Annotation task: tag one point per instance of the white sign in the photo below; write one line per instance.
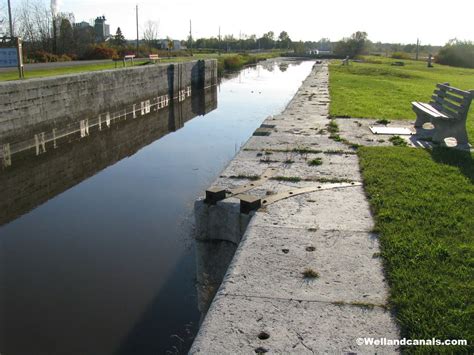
(8, 57)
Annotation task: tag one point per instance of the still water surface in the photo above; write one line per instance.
(108, 265)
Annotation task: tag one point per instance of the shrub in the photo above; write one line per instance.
(234, 62)
(41, 56)
(64, 58)
(72, 56)
(457, 54)
(100, 51)
(400, 55)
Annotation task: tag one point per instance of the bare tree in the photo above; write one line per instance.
(4, 20)
(34, 24)
(150, 33)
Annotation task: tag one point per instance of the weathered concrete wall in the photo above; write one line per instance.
(32, 180)
(39, 105)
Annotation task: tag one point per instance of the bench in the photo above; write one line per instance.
(128, 57)
(153, 57)
(447, 111)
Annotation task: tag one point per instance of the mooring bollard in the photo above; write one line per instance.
(215, 194)
(249, 203)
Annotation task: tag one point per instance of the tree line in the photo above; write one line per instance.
(54, 37)
(267, 41)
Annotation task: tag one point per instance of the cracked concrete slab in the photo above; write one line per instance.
(292, 141)
(347, 263)
(294, 164)
(338, 209)
(357, 130)
(234, 323)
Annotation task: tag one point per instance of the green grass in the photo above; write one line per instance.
(38, 73)
(423, 203)
(315, 162)
(398, 141)
(332, 127)
(382, 91)
(287, 178)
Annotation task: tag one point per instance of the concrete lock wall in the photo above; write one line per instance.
(31, 180)
(30, 107)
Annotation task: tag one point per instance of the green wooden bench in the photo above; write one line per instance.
(447, 111)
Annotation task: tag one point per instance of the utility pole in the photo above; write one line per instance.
(240, 40)
(55, 35)
(10, 19)
(137, 28)
(191, 37)
(417, 48)
(219, 50)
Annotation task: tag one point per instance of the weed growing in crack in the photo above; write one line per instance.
(315, 162)
(309, 273)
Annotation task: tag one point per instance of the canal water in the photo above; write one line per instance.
(96, 248)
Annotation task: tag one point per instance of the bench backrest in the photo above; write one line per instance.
(451, 101)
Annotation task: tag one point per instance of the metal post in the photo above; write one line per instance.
(417, 48)
(137, 27)
(55, 34)
(10, 19)
(190, 37)
(19, 52)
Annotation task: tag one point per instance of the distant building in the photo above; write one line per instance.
(82, 24)
(176, 45)
(102, 30)
(318, 52)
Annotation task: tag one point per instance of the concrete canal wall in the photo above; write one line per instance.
(39, 106)
(31, 180)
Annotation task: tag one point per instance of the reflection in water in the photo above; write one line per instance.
(283, 67)
(212, 260)
(32, 180)
(96, 257)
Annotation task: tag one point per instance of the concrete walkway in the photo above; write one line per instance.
(265, 304)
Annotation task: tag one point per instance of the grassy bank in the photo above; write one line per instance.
(423, 203)
(226, 62)
(236, 62)
(39, 73)
(376, 89)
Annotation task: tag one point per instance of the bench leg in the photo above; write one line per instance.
(450, 128)
(421, 119)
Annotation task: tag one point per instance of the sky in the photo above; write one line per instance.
(396, 21)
